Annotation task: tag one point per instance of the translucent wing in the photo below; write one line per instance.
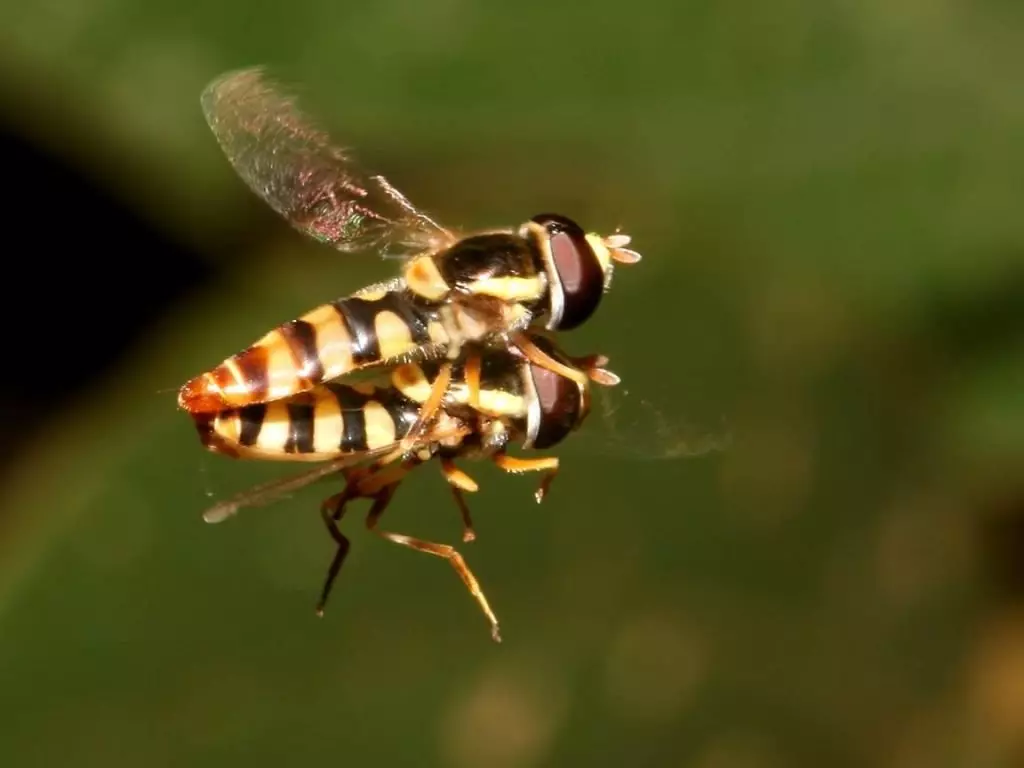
(629, 424)
(277, 489)
(312, 183)
(659, 418)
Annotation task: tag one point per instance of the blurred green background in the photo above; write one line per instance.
(827, 196)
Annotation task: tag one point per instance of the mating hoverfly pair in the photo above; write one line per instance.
(461, 340)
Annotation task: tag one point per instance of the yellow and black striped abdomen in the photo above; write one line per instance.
(328, 422)
(380, 325)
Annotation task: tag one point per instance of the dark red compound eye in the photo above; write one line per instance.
(575, 275)
(560, 404)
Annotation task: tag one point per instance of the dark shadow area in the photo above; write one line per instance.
(87, 278)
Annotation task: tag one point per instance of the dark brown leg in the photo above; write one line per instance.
(468, 534)
(547, 464)
(440, 550)
(331, 510)
(367, 482)
(375, 481)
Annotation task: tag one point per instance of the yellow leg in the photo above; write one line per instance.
(472, 376)
(459, 482)
(583, 368)
(429, 408)
(538, 356)
(548, 465)
(457, 478)
(594, 367)
(440, 550)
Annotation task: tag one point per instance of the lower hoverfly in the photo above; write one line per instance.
(358, 431)
(453, 290)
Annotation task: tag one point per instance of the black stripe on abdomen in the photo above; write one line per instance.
(250, 422)
(401, 409)
(253, 369)
(353, 420)
(301, 427)
(414, 320)
(301, 338)
(358, 317)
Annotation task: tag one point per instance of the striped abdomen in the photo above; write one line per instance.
(327, 422)
(380, 325)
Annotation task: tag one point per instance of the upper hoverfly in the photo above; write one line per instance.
(482, 289)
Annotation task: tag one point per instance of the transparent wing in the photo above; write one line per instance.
(302, 175)
(630, 424)
(657, 418)
(281, 487)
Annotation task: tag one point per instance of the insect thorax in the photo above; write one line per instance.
(498, 265)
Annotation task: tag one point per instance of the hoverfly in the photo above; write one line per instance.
(453, 290)
(358, 430)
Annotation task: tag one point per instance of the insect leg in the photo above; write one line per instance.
(429, 408)
(376, 481)
(331, 511)
(367, 482)
(538, 356)
(457, 478)
(459, 482)
(547, 464)
(468, 534)
(441, 550)
(471, 373)
(594, 367)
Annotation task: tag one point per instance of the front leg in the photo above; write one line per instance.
(583, 368)
(429, 409)
(547, 464)
(459, 482)
(595, 370)
(540, 358)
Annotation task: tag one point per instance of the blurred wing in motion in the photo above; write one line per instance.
(659, 419)
(313, 184)
(633, 425)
